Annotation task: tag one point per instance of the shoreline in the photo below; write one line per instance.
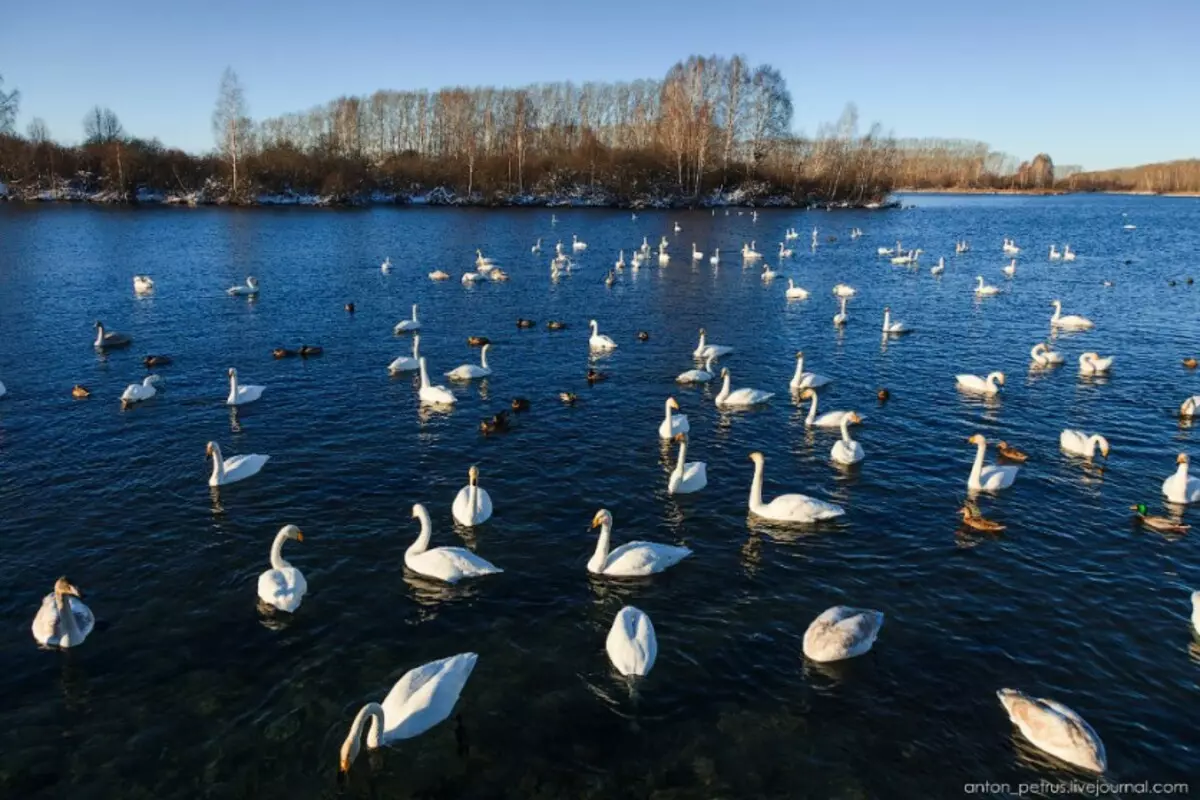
(1047, 192)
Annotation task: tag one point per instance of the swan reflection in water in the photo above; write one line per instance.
(430, 594)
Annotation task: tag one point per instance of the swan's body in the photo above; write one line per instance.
(1081, 444)
(233, 469)
(446, 564)
(1054, 254)
(845, 450)
(422, 698)
(787, 507)
(1181, 487)
(1068, 253)
(109, 339)
(433, 395)
(408, 363)
(1055, 729)
(632, 646)
(469, 278)
(1043, 356)
(740, 398)
(576, 244)
(599, 341)
(705, 350)
(989, 478)
(795, 292)
(688, 476)
(472, 504)
(1093, 364)
(250, 287)
(439, 275)
(63, 620)
(137, 392)
(696, 254)
(844, 290)
(143, 284)
(768, 274)
(894, 328)
(1070, 322)
(282, 586)
(830, 419)
(984, 289)
(673, 424)
(715, 258)
(1011, 269)
(408, 325)
(240, 395)
(977, 385)
(386, 266)
(698, 375)
(467, 372)
(1189, 408)
(938, 268)
(842, 632)
(631, 559)
(802, 380)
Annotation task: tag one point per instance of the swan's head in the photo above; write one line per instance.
(232, 372)
(209, 449)
(999, 377)
(887, 309)
(1181, 458)
(799, 355)
(701, 330)
(855, 418)
(602, 518)
(63, 586)
(100, 325)
(251, 281)
(1056, 303)
(292, 532)
(672, 403)
(757, 457)
(1103, 443)
(418, 511)
(473, 473)
(807, 393)
(724, 372)
(977, 439)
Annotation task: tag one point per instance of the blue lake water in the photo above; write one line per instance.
(184, 692)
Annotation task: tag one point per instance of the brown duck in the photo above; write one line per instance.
(155, 361)
(976, 521)
(1011, 453)
(478, 341)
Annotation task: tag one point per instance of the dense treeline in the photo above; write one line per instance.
(1169, 177)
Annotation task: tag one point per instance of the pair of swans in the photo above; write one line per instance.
(706, 350)
(796, 508)
(109, 339)
(984, 289)
(795, 292)
(233, 469)
(893, 328)
(466, 372)
(802, 380)
(739, 398)
(143, 284)
(989, 478)
(1181, 487)
(472, 505)
(408, 325)
(632, 644)
(1043, 356)
(446, 564)
(407, 363)
(250, 287)
(632, 559)
(1054, 728)
(599, 341)
(1010, 247)
(1068, 322)
(842, 632)
(830, 419)
(140, 392)
(749, 253)
(1078, 443)
(282, 586)
(241, 394)
(973, 384)
(688, 476)
(698, 375)
(673, 424)
(1092, 364)
(430, 394)
(63, 619)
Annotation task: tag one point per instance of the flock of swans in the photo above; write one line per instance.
(427, 694)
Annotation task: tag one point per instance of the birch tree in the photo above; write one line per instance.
(231, 124)
(8, 108)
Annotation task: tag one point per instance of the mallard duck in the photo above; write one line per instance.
(595, 377)
(520, 404)
(1164, 524)
(555, 325)
(478, 341)
(79, 390)
(976, 521)
(643, 336)
(283, 352)
(310, 350)
(883, 395)
(568, 397)
(525, 323)
(1190, 363)
(1011, 453)
(155, 361)
(349, 308)
(496, 424)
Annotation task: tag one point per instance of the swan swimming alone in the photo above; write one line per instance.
(233, 469)
(143, 284)
(688, 476)
(697, 375)
(282, 586)
(138, 392)
(106, 340)
(250, 287)
(893, 328)
(407, 363)
(739, 398)
(842, 632)
(63, 620)
(1055, 729)
(423, 697)
(1043, 356)
(672, 424)
(1011, 269)
(1070, 322)
(446, 564)
(1182, 488)
(787, 507)
(430, 394)
(705, 350)
(599, 341)
(1092, 364)
(795, 292)
(466, 372)
(983, 289)
(239, 394)
(1079, 443)
(974, 384)
(631, 559)
(845, 450)
(472, 504)
(990, 478)
(408, 325)
(631, 644)
(802, 380)
(830, 419)
(844, 290)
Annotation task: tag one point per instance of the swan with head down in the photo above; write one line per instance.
(1055, 729)
(1078, 443)
(842, 632)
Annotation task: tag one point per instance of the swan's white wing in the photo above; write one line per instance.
(842, 632)
(425, 696)
(643, 558)
(1056, 729)
(451, 564)
(282, 588)
(243, 466)
(830, 419)
(248, 394)
(46, 627)
(695, 475)
(994, 477)
(801, 508)
(632, 644)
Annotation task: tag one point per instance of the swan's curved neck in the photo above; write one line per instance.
(799, 368)
(1057, 309)
(424, 375)
(708, 364)
(701, 345)
(350, 747)
(422, 542)
(668, 407)
(724, 389)
(277, 561)
(414, 319)
(218, 463)
(846, 430)
(756, 487)
(992, 378)
(812, 410)
(483, 356)
(682, 457)
(416, 347)
(600, 557)
(1096, 440)
(66, 618)
(1181, 473)
(100, 334)
(977, 468)
(595, 328)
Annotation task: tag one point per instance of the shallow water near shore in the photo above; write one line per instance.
(185, 690)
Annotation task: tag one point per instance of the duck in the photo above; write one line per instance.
(599, 341)
(1010, 453)
(1190, 363)
(250, 287)
(63, 620)
(309, 351)
(704, 350)
(520, 404)
(688, 476)
(715, 258)
(568, 398)
(643, 336)
(739, 398)
(78, 391)
(842, 632)
(386, 266)
(631, 644)
(556, 325)
(1188, 408)
(1162, 524)
(1071, 322)
(845, 450)
(233, 469)
(893, 328)
(697, 375)
(1043, 356)
(283, 586)
(577, 244)
(973, 384)
(349, 307)
(1182, 488)
(472, 505)
(1055, 729)
(430, 394)
(983, 289)
(976, 521)
(1079, 443)
(802, 380)
(830, 419)
(1092, 364)
(1011, 269)
(795, 508)
(526, 323)
(422, 698)
(991, 478)
(883, 395)
(109, 340)
(139, 392)
(408, 325)
(239, 394)
(632, 559)
(795, 292)
(478, 341)
(439, 275)
(445, 564)
(283, 352)
(497, 423)
(841, 318)
(594, 376)
(672, 424)
(844, 290)
(143, 284)
(408, 363)
(150, 362)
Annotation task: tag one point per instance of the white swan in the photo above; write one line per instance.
(795, 292)
(250, 287)
(447, 564)
(433, 395)
(842, 632)
(990, 478)
(1092, 364)
(688, 476)
(677, 228)
(239, 395)
(137, 392)
(672, 424)
(620, 265)
(697, 375)
(894, 328)
(1188, 408)
(977, 385)
(282, 586)
(696, 254)
(631, 644)
(664, 258)
(1011, 269)
(466, 372)
(841, 318)
(939, 268)
(386, 266)
(233, 469)
(632, 558)
(469, 278)
(1054, 254)
(844, 290)
(1068, 253)
(483, 264)
(1055, 729)
(1081, 444)
(576, 244)
(408, 325)
(805, 380)
(740, 398)
(143, 284)
(422, 698)
(407, 363)
(439, 275)
(845, 450)
(1182, 488)
(785, 252)
(768, 274)
(787, 507)
(715, 258)
(472, 504)
(1010, 247)
(63, 620)
(1071, 322)
(599, 341)
(705, 350)
(1043, 356)
(830, 419)
(984, 289)
(1196, 611)
(537, 247)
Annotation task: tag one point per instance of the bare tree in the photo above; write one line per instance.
(8, 108)
(230, 123)
(37, 131)
(101, 126)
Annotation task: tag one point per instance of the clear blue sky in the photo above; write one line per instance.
(1097, 83)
